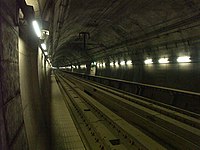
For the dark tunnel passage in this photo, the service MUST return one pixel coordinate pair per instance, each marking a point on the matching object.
(81, 74)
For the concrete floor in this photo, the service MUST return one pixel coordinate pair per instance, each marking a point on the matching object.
(63, 131)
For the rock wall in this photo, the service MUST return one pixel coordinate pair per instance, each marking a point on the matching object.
(12, 128)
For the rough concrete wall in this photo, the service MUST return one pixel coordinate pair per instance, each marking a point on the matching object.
(44, 72)
(12, 129)
(32, 96)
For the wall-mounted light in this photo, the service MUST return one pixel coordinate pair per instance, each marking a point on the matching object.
(62, 67)
(95, 63)
(82, 66)
(129, 62)
(183, 59)
(53, 67)
(44, 47)
(116, 64)
(163, 60)
(112, 64)
(122, 63)
(98, 65)
(148, 61)
(36, 28)
(103, 64)
(45, 53)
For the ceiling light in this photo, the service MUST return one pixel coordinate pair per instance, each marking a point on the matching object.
(44, 47)
(36, 28)
(163, 60)
(148, 61)
(183, 59)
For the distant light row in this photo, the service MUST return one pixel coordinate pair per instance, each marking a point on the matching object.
(182, 59)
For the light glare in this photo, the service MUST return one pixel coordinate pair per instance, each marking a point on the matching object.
(122, 63)
(129, 62)
(148, 61)
(183, 59)
(45, 53)
(82, 66)
(103, 64)
(98, 64)
(116, 64)
(44, 47)
(112, 64)
(163, 60)
(36, 28)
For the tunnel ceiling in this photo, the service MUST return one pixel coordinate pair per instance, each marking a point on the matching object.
(117, 26)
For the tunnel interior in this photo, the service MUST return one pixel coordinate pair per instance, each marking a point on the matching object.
(119, 39)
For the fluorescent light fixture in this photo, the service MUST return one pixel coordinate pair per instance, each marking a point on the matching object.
(54, 67)
(183, 59)
(73, 66)
(112, 64)
(122, 63)
(98, 64)
(77, 66)
(95, 63)
(148, 61)
(163, 60)
(44, 47)
(36, 28)
(82, 66)
(45, 53)
(129, 62)
(62, 67)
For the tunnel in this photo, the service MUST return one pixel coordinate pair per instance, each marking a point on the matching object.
(99, 74)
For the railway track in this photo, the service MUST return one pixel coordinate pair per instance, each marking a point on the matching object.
(110, 119)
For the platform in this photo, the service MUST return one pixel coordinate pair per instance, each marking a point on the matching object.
(64, 133)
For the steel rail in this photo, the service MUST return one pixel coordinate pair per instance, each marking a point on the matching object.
(182, 129)
(134, 138)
